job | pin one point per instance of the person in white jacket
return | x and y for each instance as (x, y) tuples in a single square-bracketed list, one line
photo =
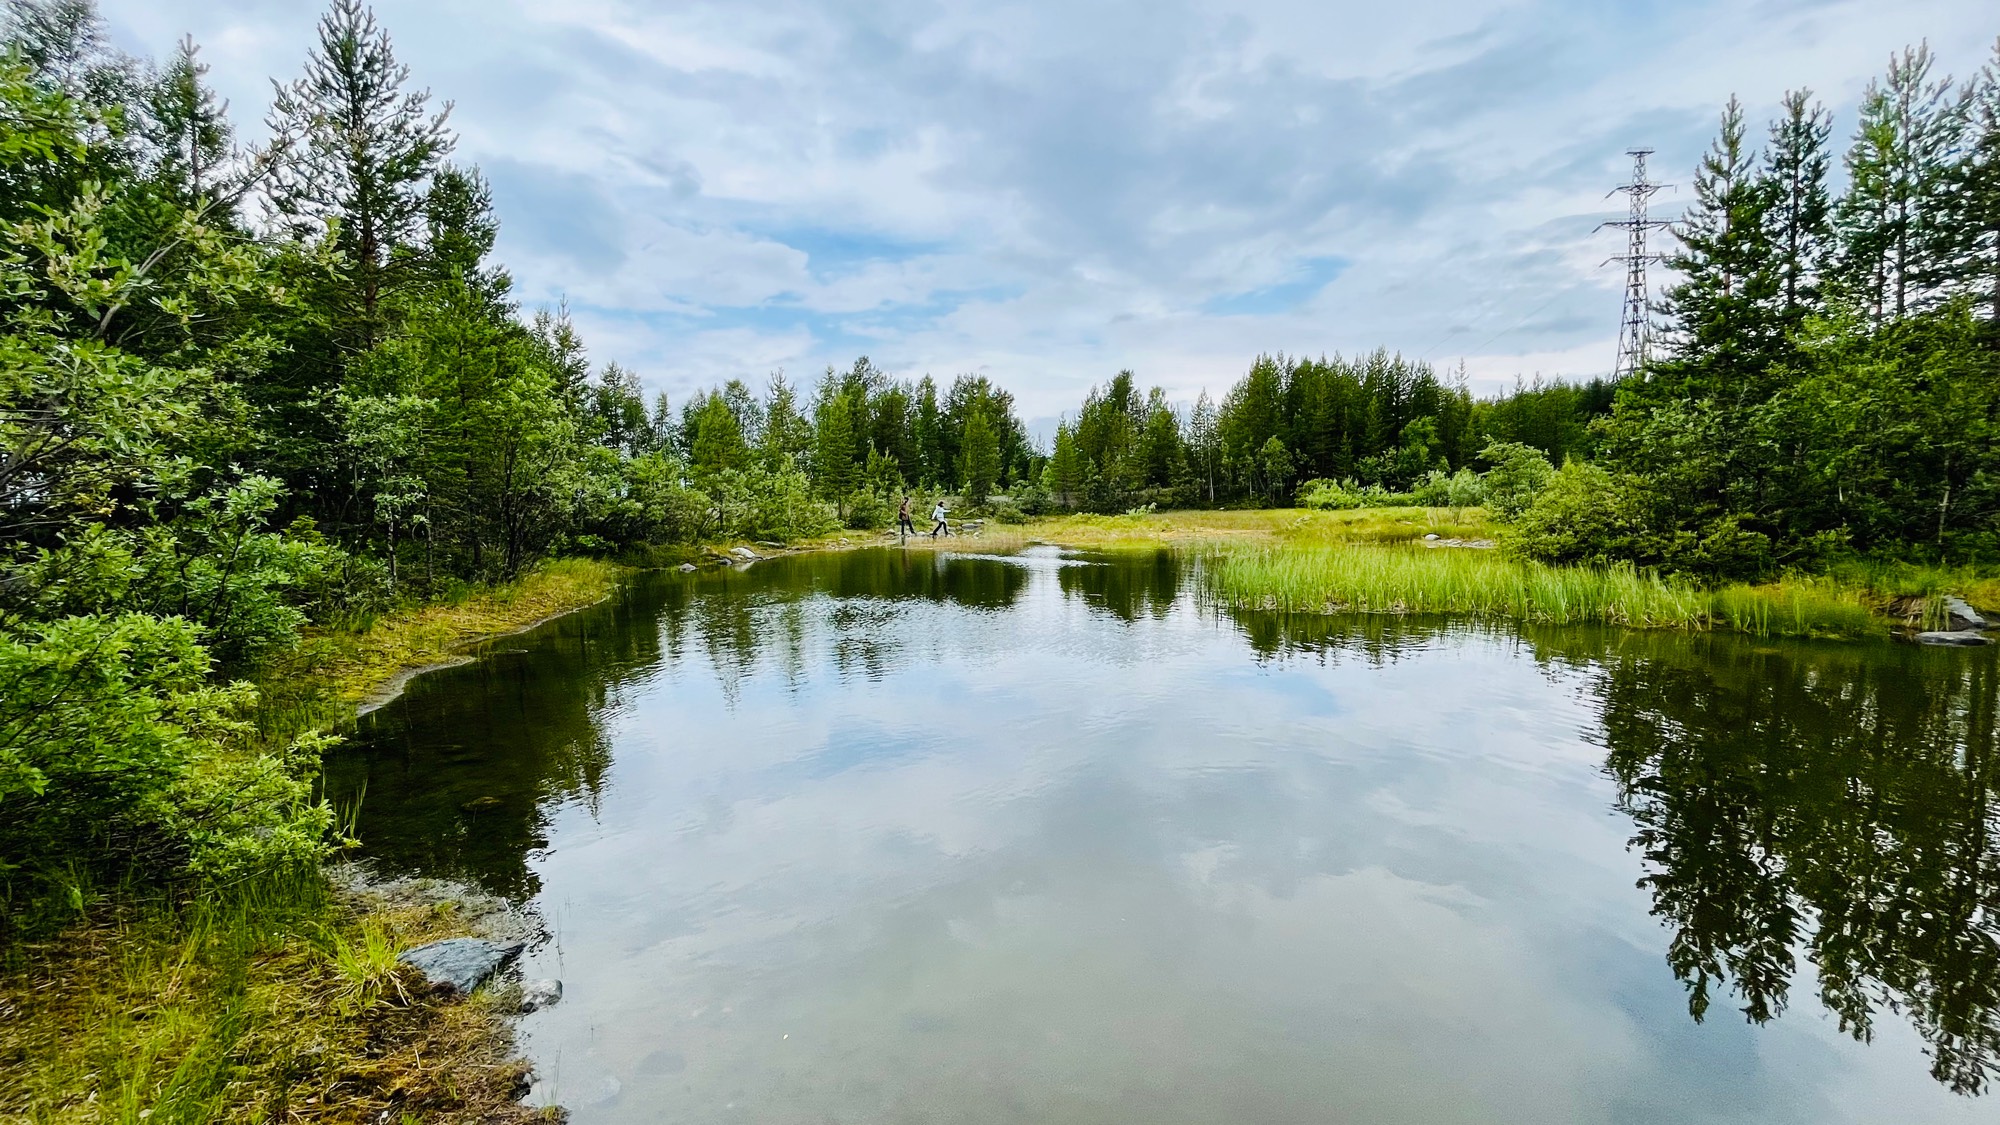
[(937, 515)]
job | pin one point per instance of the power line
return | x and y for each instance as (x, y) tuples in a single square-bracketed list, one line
[(1635, 328)]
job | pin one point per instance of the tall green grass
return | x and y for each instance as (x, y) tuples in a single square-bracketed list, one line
[(1474, 583)]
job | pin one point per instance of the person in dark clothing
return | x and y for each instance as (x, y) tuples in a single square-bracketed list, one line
[(903, 524)]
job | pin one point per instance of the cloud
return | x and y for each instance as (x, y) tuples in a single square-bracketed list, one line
[(1046, 193)]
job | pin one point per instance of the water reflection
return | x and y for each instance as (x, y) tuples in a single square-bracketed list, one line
[(1831, 804), (1799, 811)]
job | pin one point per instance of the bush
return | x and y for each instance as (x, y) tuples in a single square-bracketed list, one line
[(1034, 500), (1330, 496), (1586, 515), (1463, 489), (1005, 511), (123, 756), (869, 512), (1579, 515), (1518, 475)]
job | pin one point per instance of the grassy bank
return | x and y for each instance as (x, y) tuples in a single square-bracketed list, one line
[(1407, 579), (277, 1001), (1372, 560)]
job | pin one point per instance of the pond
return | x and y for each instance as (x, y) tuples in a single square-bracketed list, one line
[(882, 836)]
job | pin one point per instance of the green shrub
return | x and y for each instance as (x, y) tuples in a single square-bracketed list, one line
[(869, 512), (1518, 474), (1331, 496), (1579, 515)]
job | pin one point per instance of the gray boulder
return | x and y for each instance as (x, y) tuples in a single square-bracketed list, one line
[(1958, 615), (1952, 637), (459, 965), (689, 568), (745, 554), (538, 994)]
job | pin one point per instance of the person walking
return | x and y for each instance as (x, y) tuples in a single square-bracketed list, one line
[(903, 524), (937, 514)]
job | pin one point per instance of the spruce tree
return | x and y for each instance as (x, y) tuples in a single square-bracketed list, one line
[(1800, 214), (187, 127), (357, 152), (980, 461), (1977, 193), (1895, 220), (1721, 335)]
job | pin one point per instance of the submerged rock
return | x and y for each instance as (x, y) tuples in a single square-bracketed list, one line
[(1959, 615), (460, 965), (1952, 637), (539, 994)]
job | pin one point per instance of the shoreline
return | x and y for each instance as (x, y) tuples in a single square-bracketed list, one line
[(151, 997)]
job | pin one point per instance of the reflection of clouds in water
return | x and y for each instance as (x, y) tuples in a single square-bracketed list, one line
[(1031, 866), (1039, 839)]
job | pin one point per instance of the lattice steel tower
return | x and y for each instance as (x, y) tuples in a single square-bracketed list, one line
[(1635, 330)]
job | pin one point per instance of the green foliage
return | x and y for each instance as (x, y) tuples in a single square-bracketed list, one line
[(1518, 474)]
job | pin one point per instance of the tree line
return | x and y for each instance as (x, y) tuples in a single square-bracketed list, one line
[(1828, 375)]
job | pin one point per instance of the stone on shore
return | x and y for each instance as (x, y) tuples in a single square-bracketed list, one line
[(1953, 637), (460, 965), (689, 568), (745, 553), (1959, 615), (539, 994)]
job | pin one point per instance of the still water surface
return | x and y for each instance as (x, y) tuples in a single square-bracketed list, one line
[(875, 837)]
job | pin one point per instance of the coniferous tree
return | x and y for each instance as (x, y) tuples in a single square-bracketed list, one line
[(1894, 220), (787, 431), (1722, 333), (1978, 194), (188, 129), (357, 153), (1800, 212), (980, 467)]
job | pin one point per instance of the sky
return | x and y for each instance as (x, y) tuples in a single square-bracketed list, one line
[(1046, 193)]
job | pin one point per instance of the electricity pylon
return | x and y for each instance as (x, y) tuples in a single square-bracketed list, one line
[(1635, 330)]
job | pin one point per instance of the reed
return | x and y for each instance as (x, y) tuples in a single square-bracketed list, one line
[(1407, 579)]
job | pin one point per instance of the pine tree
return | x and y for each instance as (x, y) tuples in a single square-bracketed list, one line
[(1895, 220), (1721, 333), (357, 151), (1800, 215)]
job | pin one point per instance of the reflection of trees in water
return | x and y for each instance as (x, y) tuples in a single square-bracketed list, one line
[(454, 778), (737, 617), (1128, 585), (1376, 639), (1837, 802)]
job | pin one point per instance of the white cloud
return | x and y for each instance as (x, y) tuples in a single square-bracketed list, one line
[(1111, 170)]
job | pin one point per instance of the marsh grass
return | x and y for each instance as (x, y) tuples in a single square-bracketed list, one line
[(275, 1000), (1486, 584)]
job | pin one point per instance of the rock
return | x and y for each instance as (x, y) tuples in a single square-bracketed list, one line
[(1953, 637), (1432, 535), (1958, 615), (745, 553), (460, 964), (771, 545), (689, 568), (538, 994)]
